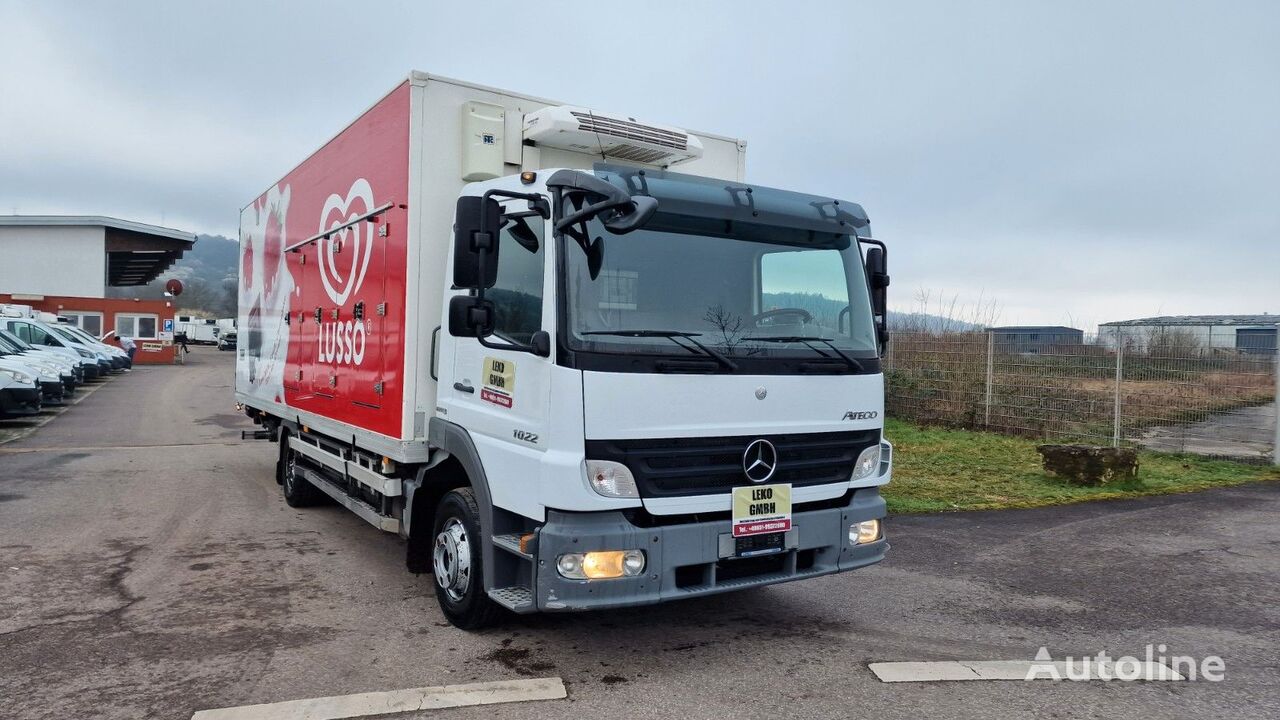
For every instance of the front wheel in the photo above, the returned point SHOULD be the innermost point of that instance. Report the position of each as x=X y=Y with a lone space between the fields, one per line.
x=457 y=563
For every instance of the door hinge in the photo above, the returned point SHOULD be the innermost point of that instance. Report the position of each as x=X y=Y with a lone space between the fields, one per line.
x=319 y=315
x=333 y=381
x=358 y=311
x=382 y=309
x=383 y=229
x=335 y=313
x=288 y=318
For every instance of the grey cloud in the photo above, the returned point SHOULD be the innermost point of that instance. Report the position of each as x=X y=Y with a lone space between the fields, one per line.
x=1083 y=160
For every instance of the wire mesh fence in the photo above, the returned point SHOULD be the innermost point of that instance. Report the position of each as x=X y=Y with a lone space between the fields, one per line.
x=1204 y=396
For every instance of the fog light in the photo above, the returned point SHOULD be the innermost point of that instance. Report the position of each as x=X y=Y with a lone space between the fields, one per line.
x=601 y=565
x=864 y=532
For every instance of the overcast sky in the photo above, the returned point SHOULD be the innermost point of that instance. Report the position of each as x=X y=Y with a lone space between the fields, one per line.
x=1071 y=162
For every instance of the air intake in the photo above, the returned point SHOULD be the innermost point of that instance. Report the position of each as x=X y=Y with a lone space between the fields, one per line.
x=594 y=133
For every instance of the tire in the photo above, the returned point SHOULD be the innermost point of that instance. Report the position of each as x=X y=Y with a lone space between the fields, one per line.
x=457 y=562
x=298 y=491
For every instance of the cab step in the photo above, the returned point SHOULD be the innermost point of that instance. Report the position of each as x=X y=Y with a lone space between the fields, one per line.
x=516 y=599
x=511 y=543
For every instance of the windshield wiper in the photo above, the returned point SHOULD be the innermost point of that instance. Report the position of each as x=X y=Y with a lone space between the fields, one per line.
x=806 y=340
x=672 y=335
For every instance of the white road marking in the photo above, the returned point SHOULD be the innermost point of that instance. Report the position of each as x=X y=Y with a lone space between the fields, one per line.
x=395 y=701
x=895 y=672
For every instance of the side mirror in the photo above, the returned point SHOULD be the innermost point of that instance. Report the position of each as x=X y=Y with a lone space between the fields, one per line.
x=642 y=208
x=540 y=344
x=475 y=242
x=878 y=279
x=470 y=316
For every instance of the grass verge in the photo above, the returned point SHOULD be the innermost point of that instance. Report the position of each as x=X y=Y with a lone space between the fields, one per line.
x=937 y=469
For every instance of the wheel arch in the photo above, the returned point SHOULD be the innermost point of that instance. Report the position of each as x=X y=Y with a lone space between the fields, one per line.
x=461 y=468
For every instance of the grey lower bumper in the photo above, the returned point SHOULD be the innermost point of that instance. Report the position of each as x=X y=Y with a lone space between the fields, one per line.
x=685 y=560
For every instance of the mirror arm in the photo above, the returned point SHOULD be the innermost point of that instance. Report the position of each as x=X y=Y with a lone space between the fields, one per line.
x=877 y=243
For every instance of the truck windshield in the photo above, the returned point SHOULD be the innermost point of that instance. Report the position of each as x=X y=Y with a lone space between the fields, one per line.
x=754 y=297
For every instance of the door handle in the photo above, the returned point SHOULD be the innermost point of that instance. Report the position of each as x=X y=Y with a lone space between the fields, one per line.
x=463 y=387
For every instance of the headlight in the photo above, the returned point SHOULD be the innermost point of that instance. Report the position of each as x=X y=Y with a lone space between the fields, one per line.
x=868 y=463
x=84 y=353
x=19 y=376
x=864 y=532
x=611 y=479
x=601 y=565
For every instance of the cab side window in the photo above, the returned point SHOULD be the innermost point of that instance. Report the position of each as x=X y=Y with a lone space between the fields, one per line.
x=517 y=294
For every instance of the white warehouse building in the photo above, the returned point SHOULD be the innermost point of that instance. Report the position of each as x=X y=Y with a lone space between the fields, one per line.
x=1243 y=333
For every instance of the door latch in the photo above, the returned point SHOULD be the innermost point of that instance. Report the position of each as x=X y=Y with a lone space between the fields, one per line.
x=358 y=311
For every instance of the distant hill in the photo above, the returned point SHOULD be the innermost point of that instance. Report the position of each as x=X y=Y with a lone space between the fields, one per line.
x=208 y=274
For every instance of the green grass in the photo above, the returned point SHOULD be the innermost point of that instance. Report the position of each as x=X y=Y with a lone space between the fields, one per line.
x=937 y=469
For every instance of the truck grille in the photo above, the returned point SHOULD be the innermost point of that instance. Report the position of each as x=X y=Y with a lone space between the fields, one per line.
x=679 y=467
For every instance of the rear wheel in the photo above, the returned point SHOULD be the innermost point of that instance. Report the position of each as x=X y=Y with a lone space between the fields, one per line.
x=457 y=562
x=298 y=491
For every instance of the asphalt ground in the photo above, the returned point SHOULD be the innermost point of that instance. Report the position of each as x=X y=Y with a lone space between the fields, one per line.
x=150 y=568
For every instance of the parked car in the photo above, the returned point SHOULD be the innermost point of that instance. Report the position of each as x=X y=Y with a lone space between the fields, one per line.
x=48 y=365
x=73 y=368
x=227 y=339
x=19 y=395
x=118 y=356
x=38 y=334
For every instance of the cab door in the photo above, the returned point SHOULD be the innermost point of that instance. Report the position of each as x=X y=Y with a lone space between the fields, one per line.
x=502 y=397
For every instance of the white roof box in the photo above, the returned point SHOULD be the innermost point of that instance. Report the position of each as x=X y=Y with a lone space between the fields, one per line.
x=595 y=133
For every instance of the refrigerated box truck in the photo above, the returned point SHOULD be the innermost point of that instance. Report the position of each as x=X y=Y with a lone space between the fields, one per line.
x=573 y=358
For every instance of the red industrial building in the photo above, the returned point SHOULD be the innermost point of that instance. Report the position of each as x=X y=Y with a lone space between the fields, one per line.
x=64 y=265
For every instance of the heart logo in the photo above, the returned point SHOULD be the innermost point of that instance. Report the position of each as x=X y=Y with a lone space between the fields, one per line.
x=342 y=278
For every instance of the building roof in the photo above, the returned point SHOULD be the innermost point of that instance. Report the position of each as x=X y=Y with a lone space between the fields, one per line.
x=1198 y=320
x=1035 y=328
x=136 y=252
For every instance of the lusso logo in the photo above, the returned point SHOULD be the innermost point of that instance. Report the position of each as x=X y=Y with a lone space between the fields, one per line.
x=343 y=342
x=355 y=242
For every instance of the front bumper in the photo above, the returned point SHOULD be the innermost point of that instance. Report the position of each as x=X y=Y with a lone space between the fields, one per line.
x=16 y=402
x=685 y=560
x=51 y=390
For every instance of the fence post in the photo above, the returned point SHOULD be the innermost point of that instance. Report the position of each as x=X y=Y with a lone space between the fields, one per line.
x=991 y=347
x=1275 y=449
x=1115 y=437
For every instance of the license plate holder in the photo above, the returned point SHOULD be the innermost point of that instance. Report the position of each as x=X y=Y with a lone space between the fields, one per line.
x=763 y=544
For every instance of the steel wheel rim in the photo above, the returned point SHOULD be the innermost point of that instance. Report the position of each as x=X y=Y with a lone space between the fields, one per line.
x=451 y=558
x=290 y=472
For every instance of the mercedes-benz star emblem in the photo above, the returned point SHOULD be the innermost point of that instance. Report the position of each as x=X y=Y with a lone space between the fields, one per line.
x=761 y=393
x=760 y=460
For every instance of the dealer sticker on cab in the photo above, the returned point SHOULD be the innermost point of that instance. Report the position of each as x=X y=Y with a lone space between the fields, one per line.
x=761 y=509
x=499 y=382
